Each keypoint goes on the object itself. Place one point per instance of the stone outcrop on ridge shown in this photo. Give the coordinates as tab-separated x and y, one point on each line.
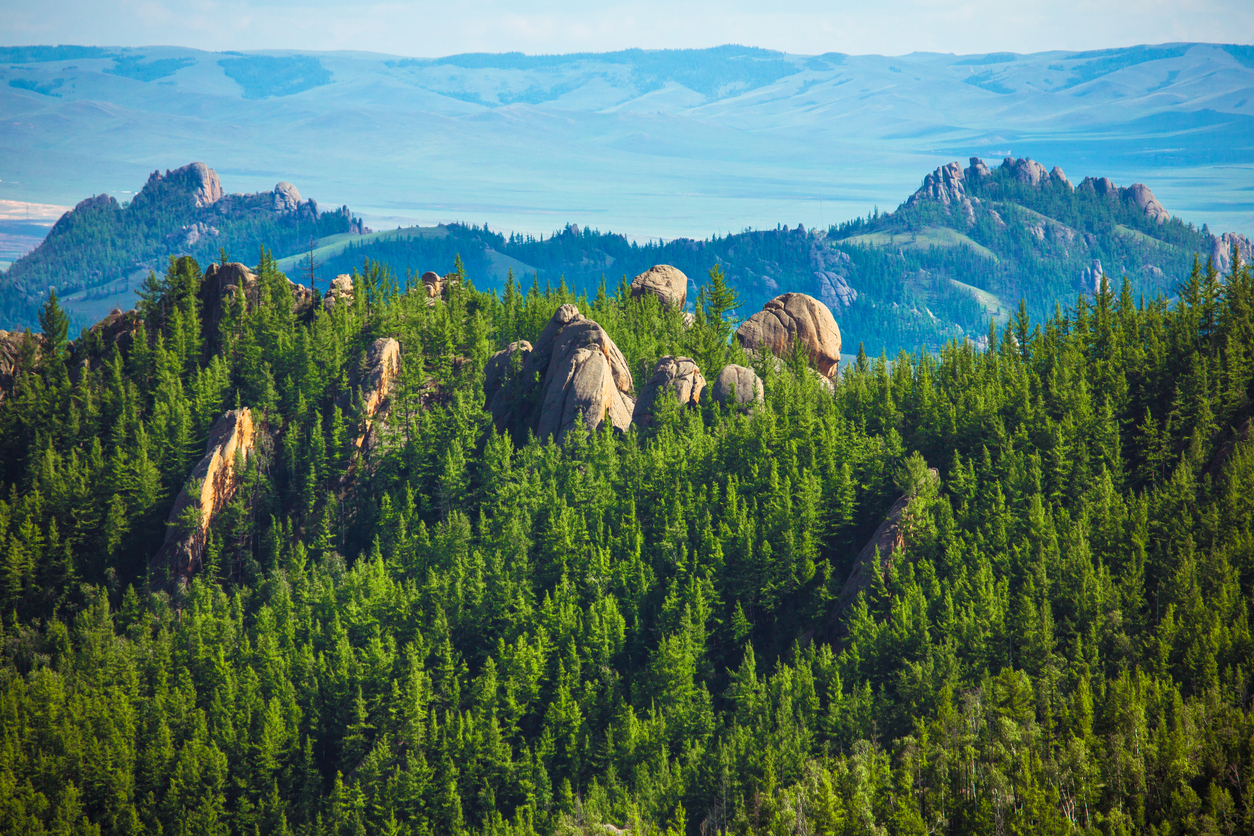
667	283
672	375
340	292
794	317
1221	251
574	372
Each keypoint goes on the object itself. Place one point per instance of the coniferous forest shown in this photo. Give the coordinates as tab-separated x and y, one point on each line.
447	628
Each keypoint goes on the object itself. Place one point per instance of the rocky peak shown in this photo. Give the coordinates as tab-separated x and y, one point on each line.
197	180
946	186
977	170
1100	186
1138	195
1026	170
1057	176
286	198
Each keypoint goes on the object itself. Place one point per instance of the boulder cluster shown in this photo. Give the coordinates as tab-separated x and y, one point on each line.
575	372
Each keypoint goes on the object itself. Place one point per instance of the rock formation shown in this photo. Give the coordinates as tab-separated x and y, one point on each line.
737	385
946	186
218	288
574	372
1026	171
197	180
433	284
832	269
1091	277
884	543
679	375
667	283
116	329
1221	251
11	343
286	198
376	381
340	291
210	487
794	316
1142	198
499	367
1137	195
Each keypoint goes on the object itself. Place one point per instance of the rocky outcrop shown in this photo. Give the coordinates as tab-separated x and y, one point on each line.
286	198
1057	176
977	170
376	381
11	343
340	292
218	289
197	180
1139	195
1221	251
678	375
794	317
574	372
736	386
879	551
500	366
832	269
189	235
667	283
433	284
210	487
1026	171
116	329
946	186
1091	277
302	297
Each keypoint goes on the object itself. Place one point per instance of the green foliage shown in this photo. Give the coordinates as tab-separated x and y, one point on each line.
449	632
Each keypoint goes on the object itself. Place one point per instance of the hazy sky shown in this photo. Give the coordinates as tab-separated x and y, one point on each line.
538	26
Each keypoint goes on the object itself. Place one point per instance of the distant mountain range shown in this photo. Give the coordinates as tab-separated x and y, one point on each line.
647	143
964	248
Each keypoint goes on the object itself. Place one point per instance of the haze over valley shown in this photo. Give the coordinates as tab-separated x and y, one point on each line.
676	143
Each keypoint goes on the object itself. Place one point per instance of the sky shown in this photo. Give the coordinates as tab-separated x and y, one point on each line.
427	29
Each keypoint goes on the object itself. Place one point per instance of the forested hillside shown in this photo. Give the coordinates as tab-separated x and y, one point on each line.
406	621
